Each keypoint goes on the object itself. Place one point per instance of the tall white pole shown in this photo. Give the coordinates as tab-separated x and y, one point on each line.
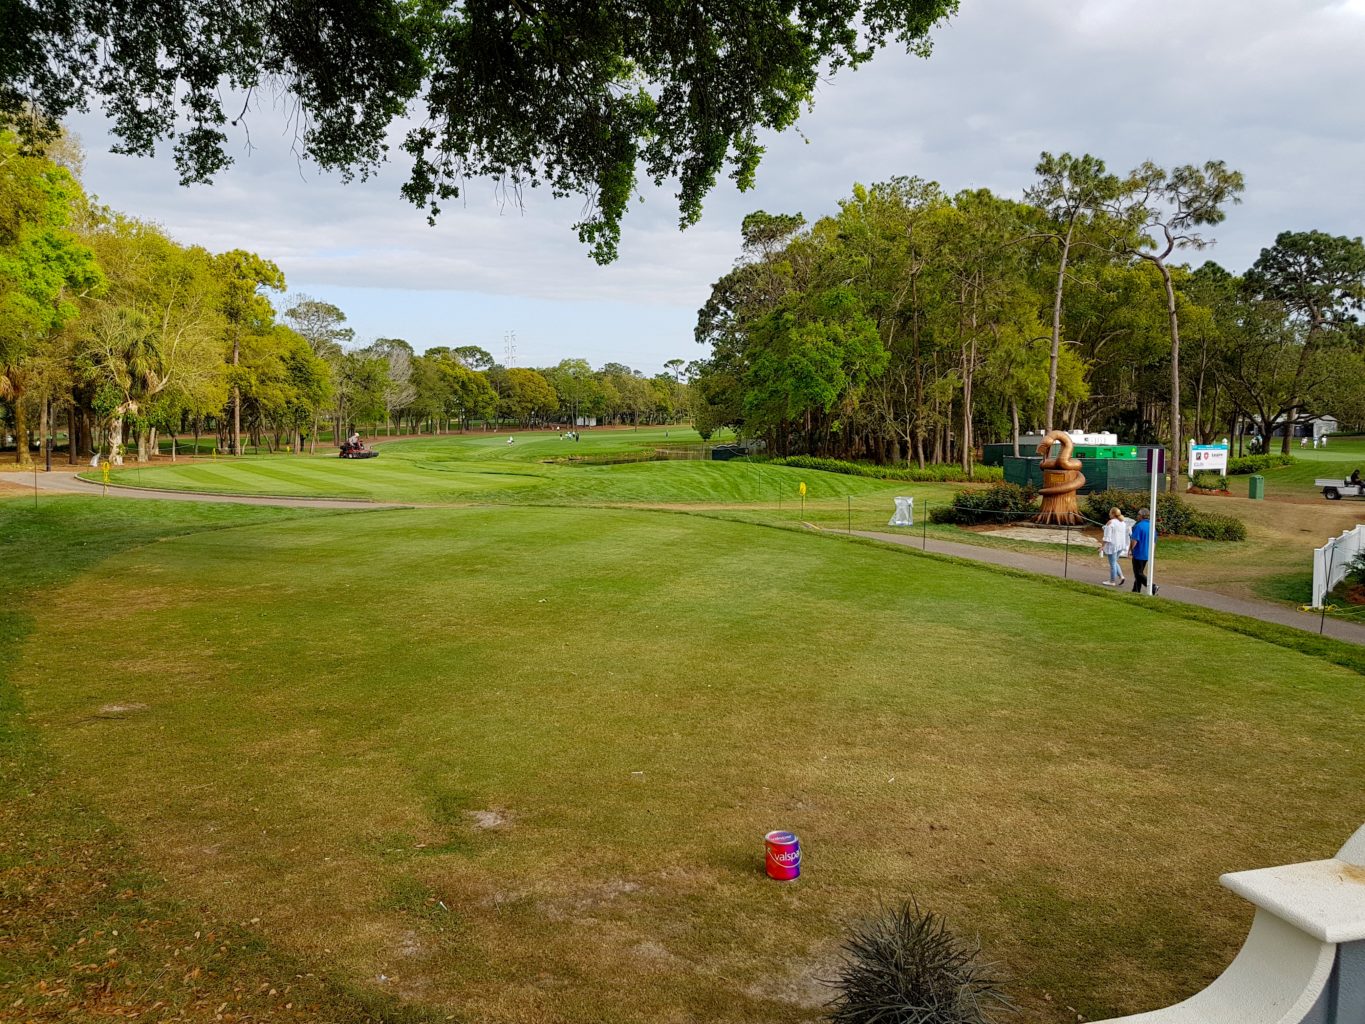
1157	467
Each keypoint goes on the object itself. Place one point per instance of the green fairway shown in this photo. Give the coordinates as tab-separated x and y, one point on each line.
485	468
1336	461
516	764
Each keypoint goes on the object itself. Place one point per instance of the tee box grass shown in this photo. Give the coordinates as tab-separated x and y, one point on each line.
506	764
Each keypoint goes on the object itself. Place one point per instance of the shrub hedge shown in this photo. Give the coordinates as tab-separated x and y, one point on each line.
1208	480
999	503
938	473
1174	516
1257	463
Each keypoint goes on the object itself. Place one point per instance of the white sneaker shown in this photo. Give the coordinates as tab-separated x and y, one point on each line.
1108	583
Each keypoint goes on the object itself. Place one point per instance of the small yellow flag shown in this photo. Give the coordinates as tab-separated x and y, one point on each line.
803	488
104	468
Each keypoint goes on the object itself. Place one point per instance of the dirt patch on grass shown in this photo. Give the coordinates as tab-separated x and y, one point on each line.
653	951
581	905
119	710
805	985
409	945
489	819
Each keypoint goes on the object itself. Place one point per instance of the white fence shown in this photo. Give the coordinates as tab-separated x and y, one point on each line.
1331	561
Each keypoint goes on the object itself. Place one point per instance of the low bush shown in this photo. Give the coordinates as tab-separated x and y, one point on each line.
936	473
1174	516
1208	480
1217	526
999	503
905	967
1257	463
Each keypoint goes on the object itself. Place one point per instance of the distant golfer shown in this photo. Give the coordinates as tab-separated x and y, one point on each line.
1143	536
511	440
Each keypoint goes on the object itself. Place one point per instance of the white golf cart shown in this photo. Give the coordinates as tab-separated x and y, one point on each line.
1335	490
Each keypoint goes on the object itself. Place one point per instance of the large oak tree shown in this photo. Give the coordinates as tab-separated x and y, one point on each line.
576	96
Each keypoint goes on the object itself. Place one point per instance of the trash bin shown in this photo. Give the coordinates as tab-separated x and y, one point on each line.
1256	486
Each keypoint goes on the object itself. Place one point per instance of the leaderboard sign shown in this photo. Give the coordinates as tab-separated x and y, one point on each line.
1211	458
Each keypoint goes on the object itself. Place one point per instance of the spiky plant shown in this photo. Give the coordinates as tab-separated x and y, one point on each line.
905	967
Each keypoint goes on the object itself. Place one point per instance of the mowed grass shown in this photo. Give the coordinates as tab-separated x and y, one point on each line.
516	764
89	931
1295	482
483	468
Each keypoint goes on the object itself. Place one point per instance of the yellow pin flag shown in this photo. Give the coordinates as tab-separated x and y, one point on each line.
803	488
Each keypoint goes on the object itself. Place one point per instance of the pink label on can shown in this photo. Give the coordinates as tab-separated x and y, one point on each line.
784	855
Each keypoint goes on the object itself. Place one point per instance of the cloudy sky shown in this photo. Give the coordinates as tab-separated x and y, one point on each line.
1273	88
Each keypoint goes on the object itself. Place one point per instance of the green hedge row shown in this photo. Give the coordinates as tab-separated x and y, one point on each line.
1257	463
939	473
1000	503
1208	480
1174	516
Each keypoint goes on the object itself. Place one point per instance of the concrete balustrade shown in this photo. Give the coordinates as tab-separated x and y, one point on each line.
1303	961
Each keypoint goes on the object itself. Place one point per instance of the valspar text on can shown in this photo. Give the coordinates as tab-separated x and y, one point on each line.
784	855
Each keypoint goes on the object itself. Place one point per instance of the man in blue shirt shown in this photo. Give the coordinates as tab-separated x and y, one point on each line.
1143	537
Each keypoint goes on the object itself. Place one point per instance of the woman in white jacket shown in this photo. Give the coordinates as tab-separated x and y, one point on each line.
1115	542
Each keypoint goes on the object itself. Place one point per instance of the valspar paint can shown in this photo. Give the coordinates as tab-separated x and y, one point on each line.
784	855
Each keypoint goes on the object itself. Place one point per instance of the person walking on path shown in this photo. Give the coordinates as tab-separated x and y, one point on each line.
1116	542
1141	549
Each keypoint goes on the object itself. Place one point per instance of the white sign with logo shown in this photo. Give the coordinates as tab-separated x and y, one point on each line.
1212	458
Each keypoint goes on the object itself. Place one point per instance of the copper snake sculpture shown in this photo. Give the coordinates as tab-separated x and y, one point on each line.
1064	461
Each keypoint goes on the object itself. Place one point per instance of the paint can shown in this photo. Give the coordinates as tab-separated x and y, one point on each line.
784	855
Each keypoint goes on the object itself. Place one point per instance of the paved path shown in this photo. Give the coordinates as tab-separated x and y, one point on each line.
1351	632
69	483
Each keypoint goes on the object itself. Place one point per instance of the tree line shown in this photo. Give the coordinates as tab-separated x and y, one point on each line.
915	324
119	336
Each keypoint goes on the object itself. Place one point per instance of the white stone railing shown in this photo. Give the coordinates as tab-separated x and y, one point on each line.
1303	961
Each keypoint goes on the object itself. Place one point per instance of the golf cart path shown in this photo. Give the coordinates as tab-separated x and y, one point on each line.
1351	632
69	483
